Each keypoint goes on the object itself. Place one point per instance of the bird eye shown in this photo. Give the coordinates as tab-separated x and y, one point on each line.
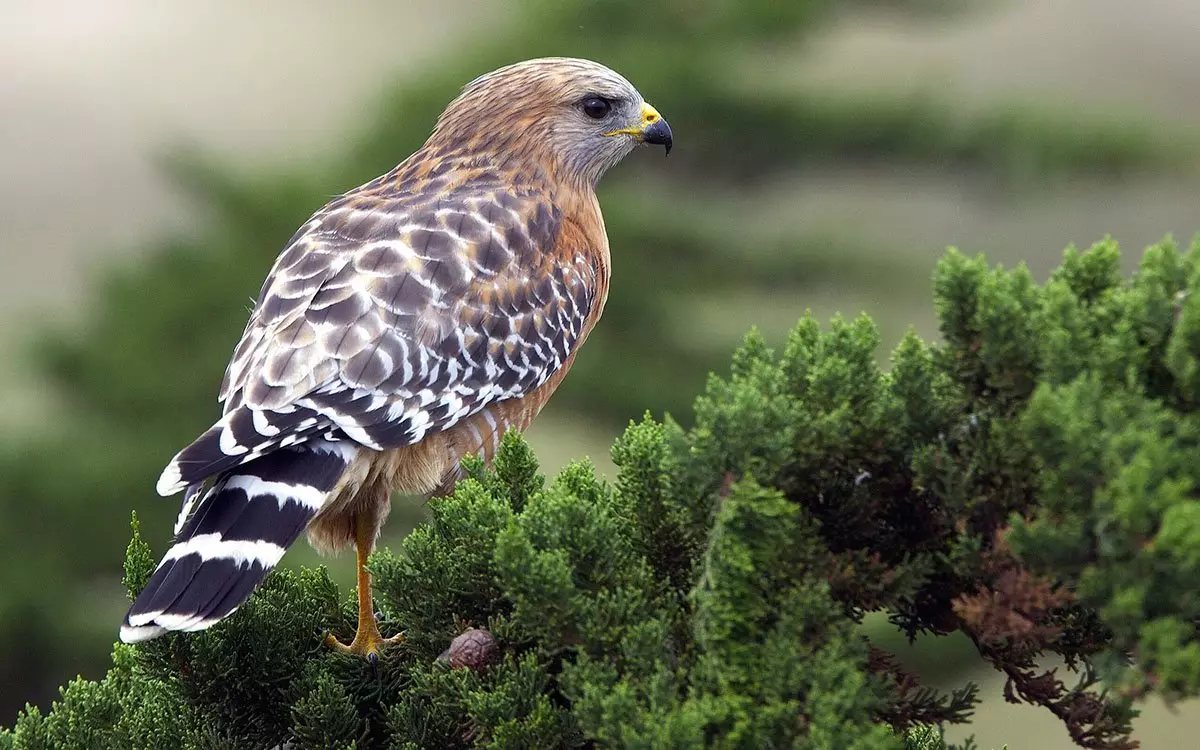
596	108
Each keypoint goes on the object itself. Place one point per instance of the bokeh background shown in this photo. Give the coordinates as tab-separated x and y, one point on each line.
155	156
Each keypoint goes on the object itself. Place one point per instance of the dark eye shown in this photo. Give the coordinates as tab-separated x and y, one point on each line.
596	108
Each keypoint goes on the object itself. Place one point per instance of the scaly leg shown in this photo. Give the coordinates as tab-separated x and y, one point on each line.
367	640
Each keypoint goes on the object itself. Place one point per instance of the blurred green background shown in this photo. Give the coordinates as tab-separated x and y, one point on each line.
156	156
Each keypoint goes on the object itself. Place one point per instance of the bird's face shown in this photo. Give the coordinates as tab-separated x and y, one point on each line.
579	115
600	119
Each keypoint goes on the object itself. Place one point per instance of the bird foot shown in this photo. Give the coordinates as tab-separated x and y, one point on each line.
367	643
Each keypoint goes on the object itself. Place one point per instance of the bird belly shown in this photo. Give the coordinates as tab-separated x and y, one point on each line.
367	485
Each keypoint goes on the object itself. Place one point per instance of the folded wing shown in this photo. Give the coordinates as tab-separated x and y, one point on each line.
389	317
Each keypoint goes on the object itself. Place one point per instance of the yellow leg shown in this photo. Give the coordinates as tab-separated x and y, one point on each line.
367	640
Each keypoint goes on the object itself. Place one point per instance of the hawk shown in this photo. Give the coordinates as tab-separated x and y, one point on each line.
408	323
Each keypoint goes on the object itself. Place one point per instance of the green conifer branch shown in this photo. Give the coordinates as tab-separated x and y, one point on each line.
1029	481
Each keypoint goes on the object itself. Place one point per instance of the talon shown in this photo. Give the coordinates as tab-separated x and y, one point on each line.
332	642
367	639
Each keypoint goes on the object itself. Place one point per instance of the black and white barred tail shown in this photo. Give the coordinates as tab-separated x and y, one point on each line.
230	536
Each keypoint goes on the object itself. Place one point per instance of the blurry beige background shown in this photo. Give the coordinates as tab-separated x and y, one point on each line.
91	93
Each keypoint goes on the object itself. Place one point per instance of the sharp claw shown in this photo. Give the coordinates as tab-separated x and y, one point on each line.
373	658
331	642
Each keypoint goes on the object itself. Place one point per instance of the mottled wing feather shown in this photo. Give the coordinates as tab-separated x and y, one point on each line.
388	318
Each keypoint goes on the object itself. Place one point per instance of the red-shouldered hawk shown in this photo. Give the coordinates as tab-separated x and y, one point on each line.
408	323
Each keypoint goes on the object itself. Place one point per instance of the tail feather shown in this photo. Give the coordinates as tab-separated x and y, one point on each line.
228	538
241	436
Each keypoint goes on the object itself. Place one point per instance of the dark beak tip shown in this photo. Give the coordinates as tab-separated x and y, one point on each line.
659	134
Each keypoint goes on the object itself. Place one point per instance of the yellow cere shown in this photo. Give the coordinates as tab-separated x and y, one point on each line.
650	116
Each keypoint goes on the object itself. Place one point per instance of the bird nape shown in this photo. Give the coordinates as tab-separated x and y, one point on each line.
409	323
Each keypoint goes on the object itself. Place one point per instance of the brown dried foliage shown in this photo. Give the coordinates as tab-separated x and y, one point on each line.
1013	622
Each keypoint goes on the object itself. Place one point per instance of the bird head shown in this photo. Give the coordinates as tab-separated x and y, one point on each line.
577	116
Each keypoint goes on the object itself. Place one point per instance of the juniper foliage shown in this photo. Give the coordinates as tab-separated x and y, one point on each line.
1030	482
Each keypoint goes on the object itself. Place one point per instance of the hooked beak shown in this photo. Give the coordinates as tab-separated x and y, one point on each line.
653	129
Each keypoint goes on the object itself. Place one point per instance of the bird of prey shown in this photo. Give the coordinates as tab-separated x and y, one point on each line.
408	323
